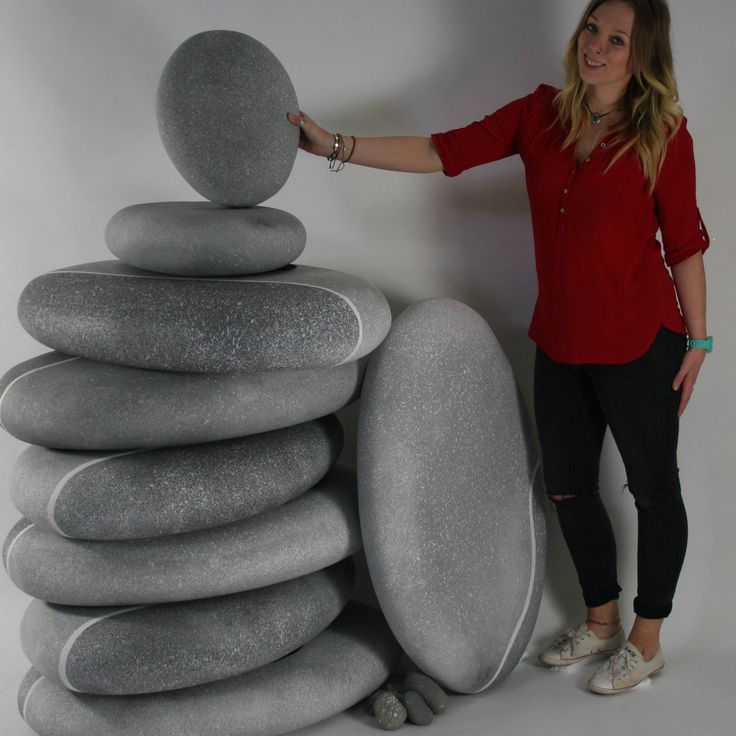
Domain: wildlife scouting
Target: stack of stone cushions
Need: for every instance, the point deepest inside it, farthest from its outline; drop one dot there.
(186, 530)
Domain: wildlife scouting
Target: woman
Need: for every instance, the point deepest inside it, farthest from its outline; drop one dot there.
(609, 162)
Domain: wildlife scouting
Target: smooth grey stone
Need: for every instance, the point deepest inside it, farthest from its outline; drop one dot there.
(221, 106)
(148, 649)
(329, 674)
(434, 696)
(71, 403)
(418, 712)
(315, 530)
(177, 489)
(204, 239)
(298, 317)
(451, 500)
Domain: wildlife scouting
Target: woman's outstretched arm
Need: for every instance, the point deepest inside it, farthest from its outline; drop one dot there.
(411, 154)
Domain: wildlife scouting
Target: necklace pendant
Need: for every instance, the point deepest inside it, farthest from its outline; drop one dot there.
(595, 119)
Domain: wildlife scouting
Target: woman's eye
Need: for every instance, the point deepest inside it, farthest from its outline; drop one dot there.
(618, 40)
(591, 27)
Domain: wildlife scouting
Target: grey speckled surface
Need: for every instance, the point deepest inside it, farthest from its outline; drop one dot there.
(451, 510)
(175, 645)
(59, 401)
(221, 104)
(204, 239)
(334, 671)
(315, 530)
(151, 493)
(298, 317)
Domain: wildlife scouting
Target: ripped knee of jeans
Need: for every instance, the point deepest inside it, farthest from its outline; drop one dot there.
(566, 500)
(562, 501)
(557, 498)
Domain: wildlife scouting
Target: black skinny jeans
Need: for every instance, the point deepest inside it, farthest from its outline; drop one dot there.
(573, 405)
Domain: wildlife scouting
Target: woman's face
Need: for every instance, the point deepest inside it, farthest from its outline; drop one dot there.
(604, 47)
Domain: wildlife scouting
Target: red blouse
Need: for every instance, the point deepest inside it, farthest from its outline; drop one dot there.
(604, 289)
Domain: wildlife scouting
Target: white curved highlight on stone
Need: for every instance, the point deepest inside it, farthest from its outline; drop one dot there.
(28, 696)
(11, 545)
(532, 575)
(51, 508)
(346, 299)
(23, 375)
(72, 640)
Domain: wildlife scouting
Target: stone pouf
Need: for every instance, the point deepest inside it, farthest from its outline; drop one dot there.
(165, 647)
(315, 530)
(450, 497)
(177, 489)
(221, 104)
(71, 403)
(204, 239)
(334, 671)
(298, 317)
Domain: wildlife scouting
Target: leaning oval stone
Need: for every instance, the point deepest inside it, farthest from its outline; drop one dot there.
(204, 239)
(299, 317)
(145, 649)
(315, 530)
(451, 501)
(221, 104)
(175, 489)
(329, 674)
(70, 403)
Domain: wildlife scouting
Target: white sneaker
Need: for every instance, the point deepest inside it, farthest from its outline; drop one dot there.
(624, 670)
(579, 643)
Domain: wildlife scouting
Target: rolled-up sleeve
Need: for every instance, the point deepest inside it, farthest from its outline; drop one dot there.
(683, 231)
(494, 137)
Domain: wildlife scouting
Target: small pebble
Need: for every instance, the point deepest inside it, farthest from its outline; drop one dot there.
(417, 710)
(433, 694)
(390, 714)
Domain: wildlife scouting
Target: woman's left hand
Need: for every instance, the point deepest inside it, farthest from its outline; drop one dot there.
(687, 375)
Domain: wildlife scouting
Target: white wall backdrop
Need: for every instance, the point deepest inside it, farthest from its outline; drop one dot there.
(78, 141)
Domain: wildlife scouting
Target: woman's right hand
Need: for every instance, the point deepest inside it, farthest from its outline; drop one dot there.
(411, 154)
(312, 138)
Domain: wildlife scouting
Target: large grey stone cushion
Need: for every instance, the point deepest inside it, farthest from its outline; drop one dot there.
(334, 671)
(315, 530)
(124, 651)
(204, 239)
(178, 489)
(71, 403)
(450, 496)
(221, 104)
(298, 317)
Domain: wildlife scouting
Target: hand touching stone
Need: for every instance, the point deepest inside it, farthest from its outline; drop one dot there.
(312, 138)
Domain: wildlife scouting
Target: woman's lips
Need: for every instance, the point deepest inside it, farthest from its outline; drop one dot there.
(590, 64)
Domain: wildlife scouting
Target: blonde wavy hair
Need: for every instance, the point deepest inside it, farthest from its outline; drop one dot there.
(652, 115)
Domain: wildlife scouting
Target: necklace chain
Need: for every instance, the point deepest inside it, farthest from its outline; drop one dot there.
(596, 117)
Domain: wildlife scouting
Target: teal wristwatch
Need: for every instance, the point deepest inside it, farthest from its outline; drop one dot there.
(706, 344)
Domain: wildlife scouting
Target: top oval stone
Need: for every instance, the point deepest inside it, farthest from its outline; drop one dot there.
(221, 105)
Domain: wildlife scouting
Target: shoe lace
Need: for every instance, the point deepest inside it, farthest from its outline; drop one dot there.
(569, 638)
(622, 663)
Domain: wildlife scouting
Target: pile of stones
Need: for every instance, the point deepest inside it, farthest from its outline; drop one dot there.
(187, 529)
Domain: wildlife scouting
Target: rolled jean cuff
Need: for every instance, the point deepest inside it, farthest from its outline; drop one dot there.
(648, 610)
(595, 598)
